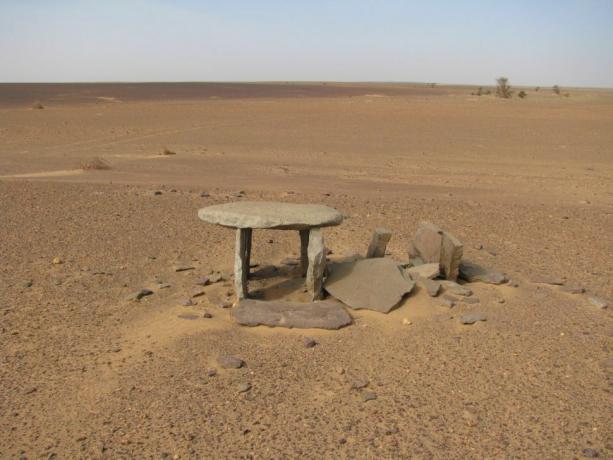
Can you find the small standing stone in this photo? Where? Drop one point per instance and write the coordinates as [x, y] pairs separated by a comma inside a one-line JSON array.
[[378, 243], [317, 263]]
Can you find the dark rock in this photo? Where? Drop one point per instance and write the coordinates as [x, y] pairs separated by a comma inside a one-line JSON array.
[[155, 192], [588, 452], [204, 194], [203, 281], [28, 283], [139, 294], [211, 373], [473, 272], [322, 315], [207, 315], [183, 268], [473, 318], [198, 293], [309, 342], [230, 362]]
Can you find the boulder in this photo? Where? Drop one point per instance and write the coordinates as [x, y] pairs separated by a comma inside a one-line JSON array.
[[374, 284], [473, 272], [432, 287], [434, 245], [277, 313]]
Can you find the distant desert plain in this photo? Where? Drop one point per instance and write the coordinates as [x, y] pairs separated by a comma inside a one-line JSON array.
[[100, 185]]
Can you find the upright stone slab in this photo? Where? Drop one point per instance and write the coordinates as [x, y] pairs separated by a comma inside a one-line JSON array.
[[378, 244], [427, 242], [317, 263], [241, 261], [304, 251], [451, 255]]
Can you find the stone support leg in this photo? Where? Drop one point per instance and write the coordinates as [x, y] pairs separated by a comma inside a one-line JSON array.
[[241, 261], [304, 251], [317, 263]]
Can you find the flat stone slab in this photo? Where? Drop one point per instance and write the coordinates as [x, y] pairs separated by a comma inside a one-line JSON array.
[[473, 272], [473, 318], [278, 313], [374, 284], [266, 214]]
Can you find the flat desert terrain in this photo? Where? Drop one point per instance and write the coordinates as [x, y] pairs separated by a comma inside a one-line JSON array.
[[525, 184]]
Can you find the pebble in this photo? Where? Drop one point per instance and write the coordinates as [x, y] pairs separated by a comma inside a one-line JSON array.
[[445, 302], [473, 318], [588, 452], [225, 304], [57, 261], [215, 277], [139, 294], [183, 268], [598, 302], [358, 384], [309, 342], [198, 293], [207, 315], [187, 302], [238, 194], [204, 194], [369, 396], [243, 387], [155, 192], [163, 285], [406, 322], [28, 283], [230, 362], [211, 372]]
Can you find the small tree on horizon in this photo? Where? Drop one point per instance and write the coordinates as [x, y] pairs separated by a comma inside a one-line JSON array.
[[503, 89]]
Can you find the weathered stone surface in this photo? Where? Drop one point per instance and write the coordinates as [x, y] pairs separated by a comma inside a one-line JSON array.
[[473, 272], [473, 318], [428, 271], [432, 287], [320, 315], [316, 253], [230, 362], [548, 280], [452, 287], [470, 300], [375, 284], [264, 214], [378, 243], [598, 302]]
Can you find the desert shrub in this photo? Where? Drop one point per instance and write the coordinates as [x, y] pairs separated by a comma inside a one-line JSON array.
[[556, 89], [503, 89], [38, 105], [95, 163], [537, 89], [167, 151], [522, 94], [479, 91]]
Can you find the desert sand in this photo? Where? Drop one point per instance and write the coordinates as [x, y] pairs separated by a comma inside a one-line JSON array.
[[526, 185]]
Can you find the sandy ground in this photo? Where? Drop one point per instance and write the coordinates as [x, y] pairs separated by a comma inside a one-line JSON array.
[[86, 374]]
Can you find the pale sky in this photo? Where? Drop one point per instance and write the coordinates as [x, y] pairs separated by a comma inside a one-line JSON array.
[[538, 42]]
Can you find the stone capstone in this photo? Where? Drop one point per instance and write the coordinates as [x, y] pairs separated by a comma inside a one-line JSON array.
[[265, 214]]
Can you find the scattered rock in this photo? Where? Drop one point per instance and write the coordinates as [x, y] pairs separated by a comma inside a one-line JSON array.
[[227, 303], [155, 192], [513, 284], [163, 286], [548, 280], [406, 322], [238, 194], [205, 281], [230, 362], [598, 302], [426, 271], [243, 387], [432, 287], [358, 384], [207, 315], [187, 302], [572, 289], [501, 300], [473, 318], [289, 261], [470, 300], [445, 302], [139, 294], [190, 316], [588, 452], [369, 396], [322, 315], [57, 261], [309, 342], [375, 284], [28, 283], [211, 373], [473, 272], [183, 268], [454, 288], [204, 194], [198, 293], [215, 277]]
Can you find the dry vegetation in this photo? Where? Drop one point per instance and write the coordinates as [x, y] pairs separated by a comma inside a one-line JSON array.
[[167, 151]]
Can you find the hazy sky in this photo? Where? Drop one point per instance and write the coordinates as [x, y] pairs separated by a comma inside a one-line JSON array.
[[536, 42]]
